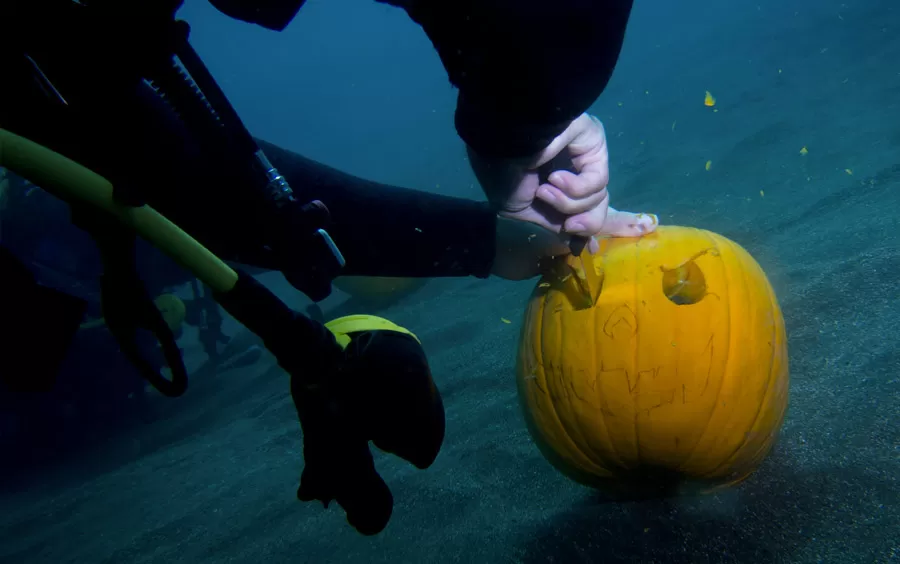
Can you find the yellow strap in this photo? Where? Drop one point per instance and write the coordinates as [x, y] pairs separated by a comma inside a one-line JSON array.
[[343, 326]]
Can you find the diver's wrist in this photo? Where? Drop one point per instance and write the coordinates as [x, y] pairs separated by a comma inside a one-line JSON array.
[[521, 249]]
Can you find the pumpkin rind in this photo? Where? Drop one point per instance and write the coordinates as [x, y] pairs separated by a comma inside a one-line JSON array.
[[677, 376]]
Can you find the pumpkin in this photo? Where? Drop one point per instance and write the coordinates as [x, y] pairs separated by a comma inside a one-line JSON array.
[[380, 289], [674, 380]]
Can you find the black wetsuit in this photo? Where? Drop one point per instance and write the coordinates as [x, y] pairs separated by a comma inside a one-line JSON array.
[[524, 70]]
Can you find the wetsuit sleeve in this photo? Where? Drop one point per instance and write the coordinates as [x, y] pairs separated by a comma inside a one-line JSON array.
[[386, 230], [524, 68]]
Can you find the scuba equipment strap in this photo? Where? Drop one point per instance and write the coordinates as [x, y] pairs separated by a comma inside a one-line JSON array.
[[203, 312], [127, 306], [197, 98]]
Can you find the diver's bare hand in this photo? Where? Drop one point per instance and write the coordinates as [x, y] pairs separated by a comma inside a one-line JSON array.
[[574, 203]]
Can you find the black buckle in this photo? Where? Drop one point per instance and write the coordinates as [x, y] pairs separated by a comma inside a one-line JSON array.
[[307, 255]]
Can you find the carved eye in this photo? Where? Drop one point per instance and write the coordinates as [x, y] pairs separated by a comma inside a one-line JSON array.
[[684, 284]]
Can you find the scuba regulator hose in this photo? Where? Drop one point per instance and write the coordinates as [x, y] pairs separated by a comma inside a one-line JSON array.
[[354, 380]]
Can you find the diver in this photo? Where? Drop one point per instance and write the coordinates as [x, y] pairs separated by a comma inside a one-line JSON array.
[[521, 103], [101, 88]]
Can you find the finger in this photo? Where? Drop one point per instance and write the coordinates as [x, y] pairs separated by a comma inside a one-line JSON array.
[[582, 184], [589, 223], [627, 224], [583, 125], [554, 148], [566, 205]]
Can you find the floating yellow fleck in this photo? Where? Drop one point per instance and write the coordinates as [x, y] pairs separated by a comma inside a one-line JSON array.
[[848, 171], [804, 151], [709, 101], [544, 285], [620, 104], [762, 194], [505, 320], [708, 165], [673, 125], [779, 71]]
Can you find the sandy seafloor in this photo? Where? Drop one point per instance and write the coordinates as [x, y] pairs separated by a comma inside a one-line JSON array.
[[214, 478]]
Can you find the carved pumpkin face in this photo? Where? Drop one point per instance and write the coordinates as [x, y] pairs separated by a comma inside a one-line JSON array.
[[677, 376]]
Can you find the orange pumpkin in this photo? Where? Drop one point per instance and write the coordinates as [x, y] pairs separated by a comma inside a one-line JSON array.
[[676, 379]]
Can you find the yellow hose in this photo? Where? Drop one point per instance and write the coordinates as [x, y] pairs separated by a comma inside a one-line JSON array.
[[72, 182]]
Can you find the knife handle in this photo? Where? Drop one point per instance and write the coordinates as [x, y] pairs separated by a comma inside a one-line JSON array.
[[563, 162]]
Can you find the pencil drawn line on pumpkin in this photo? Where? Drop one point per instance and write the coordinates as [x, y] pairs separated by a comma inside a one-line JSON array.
[[548, 372], [581, 379], [608, 374], [713, 251], [637, 380], [562, 389], [662, 397], [653, 373], [616, 317], [553, 378], [710, 346]]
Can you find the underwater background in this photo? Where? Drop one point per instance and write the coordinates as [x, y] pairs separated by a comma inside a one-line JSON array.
[[798, 161]]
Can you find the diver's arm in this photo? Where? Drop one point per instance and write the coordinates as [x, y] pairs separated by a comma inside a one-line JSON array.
[[386, 230], [524, 68]]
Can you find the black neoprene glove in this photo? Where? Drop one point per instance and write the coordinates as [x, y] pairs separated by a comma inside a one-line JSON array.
[[338, 463]]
